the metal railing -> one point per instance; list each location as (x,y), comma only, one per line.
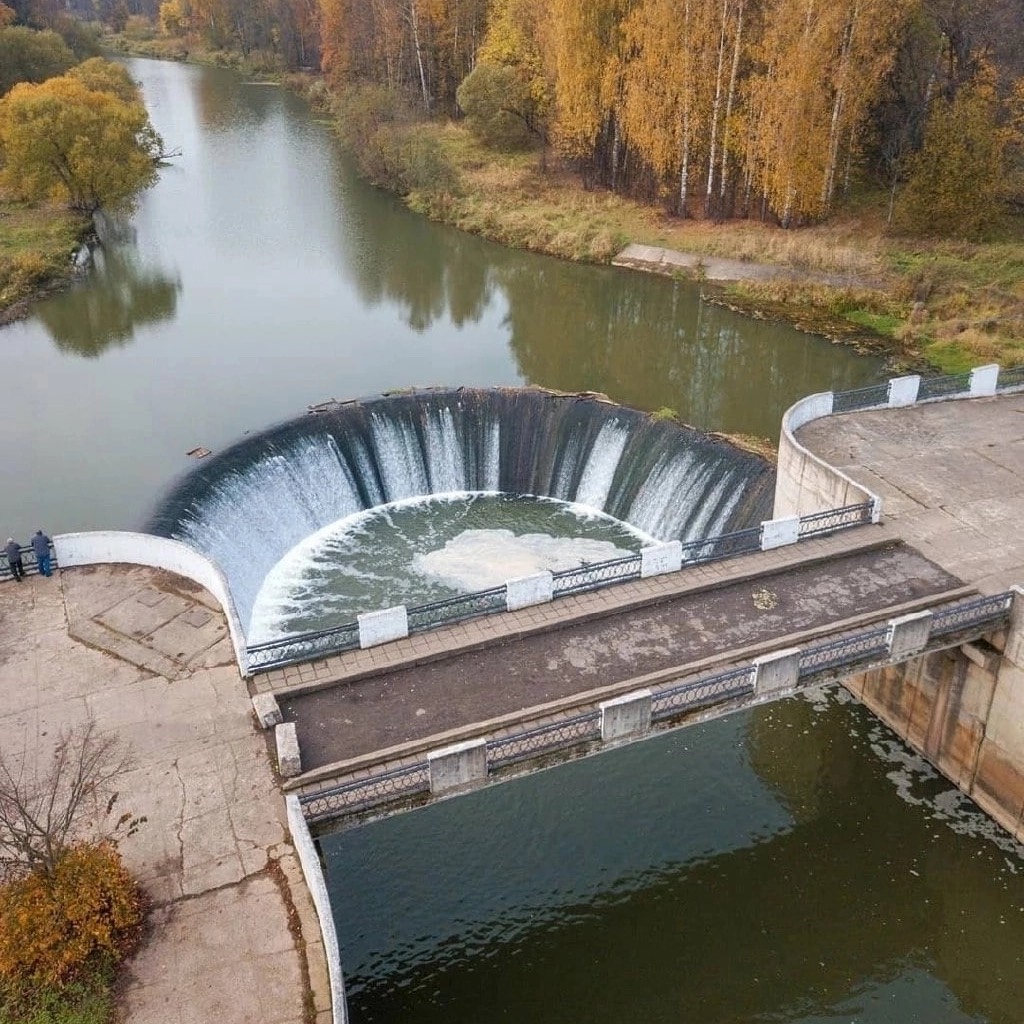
(455,609)
(696,693)
(28,561)
(363,794)
(847,650)
(596,574)
(969,614)
(861,398)
(1011,378)
(818,524)
(943,387)
(581,730)
(543,739)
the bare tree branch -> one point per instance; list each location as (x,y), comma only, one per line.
(42,810)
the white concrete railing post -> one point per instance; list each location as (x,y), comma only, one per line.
(776,533)
(661,558)
(381,626)
(903,390)
(908,635)
(984,380)
(457,766)
(289,763)
(777,672)
(626,717)
(525,591)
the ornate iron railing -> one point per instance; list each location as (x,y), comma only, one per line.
(818,524)
(861,398)
(967,614)
(943,387)
(530,743)
(847,650)
(596,574)
(455,609)
(726,545)
(1012,378)
(305,647)
(697,693)
(363,794)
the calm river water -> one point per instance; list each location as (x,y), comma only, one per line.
(794,864)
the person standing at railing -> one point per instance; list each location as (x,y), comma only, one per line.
(13,552)
(41,546)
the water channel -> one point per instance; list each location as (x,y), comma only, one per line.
(794,864)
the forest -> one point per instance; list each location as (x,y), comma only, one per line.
(711,108)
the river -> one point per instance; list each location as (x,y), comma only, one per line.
(791,864)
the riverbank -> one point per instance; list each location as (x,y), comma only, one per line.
(946,305)
(38,244)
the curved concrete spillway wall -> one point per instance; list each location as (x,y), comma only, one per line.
(248,506)
(806,483)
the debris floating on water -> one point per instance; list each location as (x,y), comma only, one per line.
(199,453)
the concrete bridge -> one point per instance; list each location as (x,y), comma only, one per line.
(377,731)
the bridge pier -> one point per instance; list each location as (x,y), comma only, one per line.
(962,709)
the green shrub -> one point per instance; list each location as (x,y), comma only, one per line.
(56,929)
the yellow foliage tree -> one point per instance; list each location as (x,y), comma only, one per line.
(87,147)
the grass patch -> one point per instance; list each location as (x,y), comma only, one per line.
(881,323)
(37,245)
(88,1001)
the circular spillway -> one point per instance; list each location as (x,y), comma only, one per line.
(412,497)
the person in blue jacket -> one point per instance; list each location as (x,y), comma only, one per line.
(41,546)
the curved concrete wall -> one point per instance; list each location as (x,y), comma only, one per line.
(113,546)
(805,483)
(310,861)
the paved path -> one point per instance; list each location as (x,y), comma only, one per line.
(717,268)
(950,475)
(213,854)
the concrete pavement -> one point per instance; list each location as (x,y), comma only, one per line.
(950,476)
(232,935)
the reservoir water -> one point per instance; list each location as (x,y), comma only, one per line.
(794,864)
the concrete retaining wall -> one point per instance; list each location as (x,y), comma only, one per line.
(314,875)
(963,709)
(804,483)
(111,546)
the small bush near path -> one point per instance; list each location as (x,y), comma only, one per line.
(62,935)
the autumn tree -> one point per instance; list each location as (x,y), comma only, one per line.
(29,55)
(956,180)
(88,147)
(507,97)
(582,42)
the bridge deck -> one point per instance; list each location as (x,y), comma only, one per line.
(950,475)
(754,613)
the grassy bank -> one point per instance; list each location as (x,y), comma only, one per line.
(945,305)
(37,247)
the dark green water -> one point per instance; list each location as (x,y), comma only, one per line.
(789,864)
(765,868)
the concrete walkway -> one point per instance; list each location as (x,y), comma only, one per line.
(232,936)
(950,475)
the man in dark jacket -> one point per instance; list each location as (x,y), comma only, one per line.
(41,546)
(13,552)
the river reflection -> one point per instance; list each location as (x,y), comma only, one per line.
(120,297)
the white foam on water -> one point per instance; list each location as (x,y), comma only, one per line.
(472,560)
(481,559)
